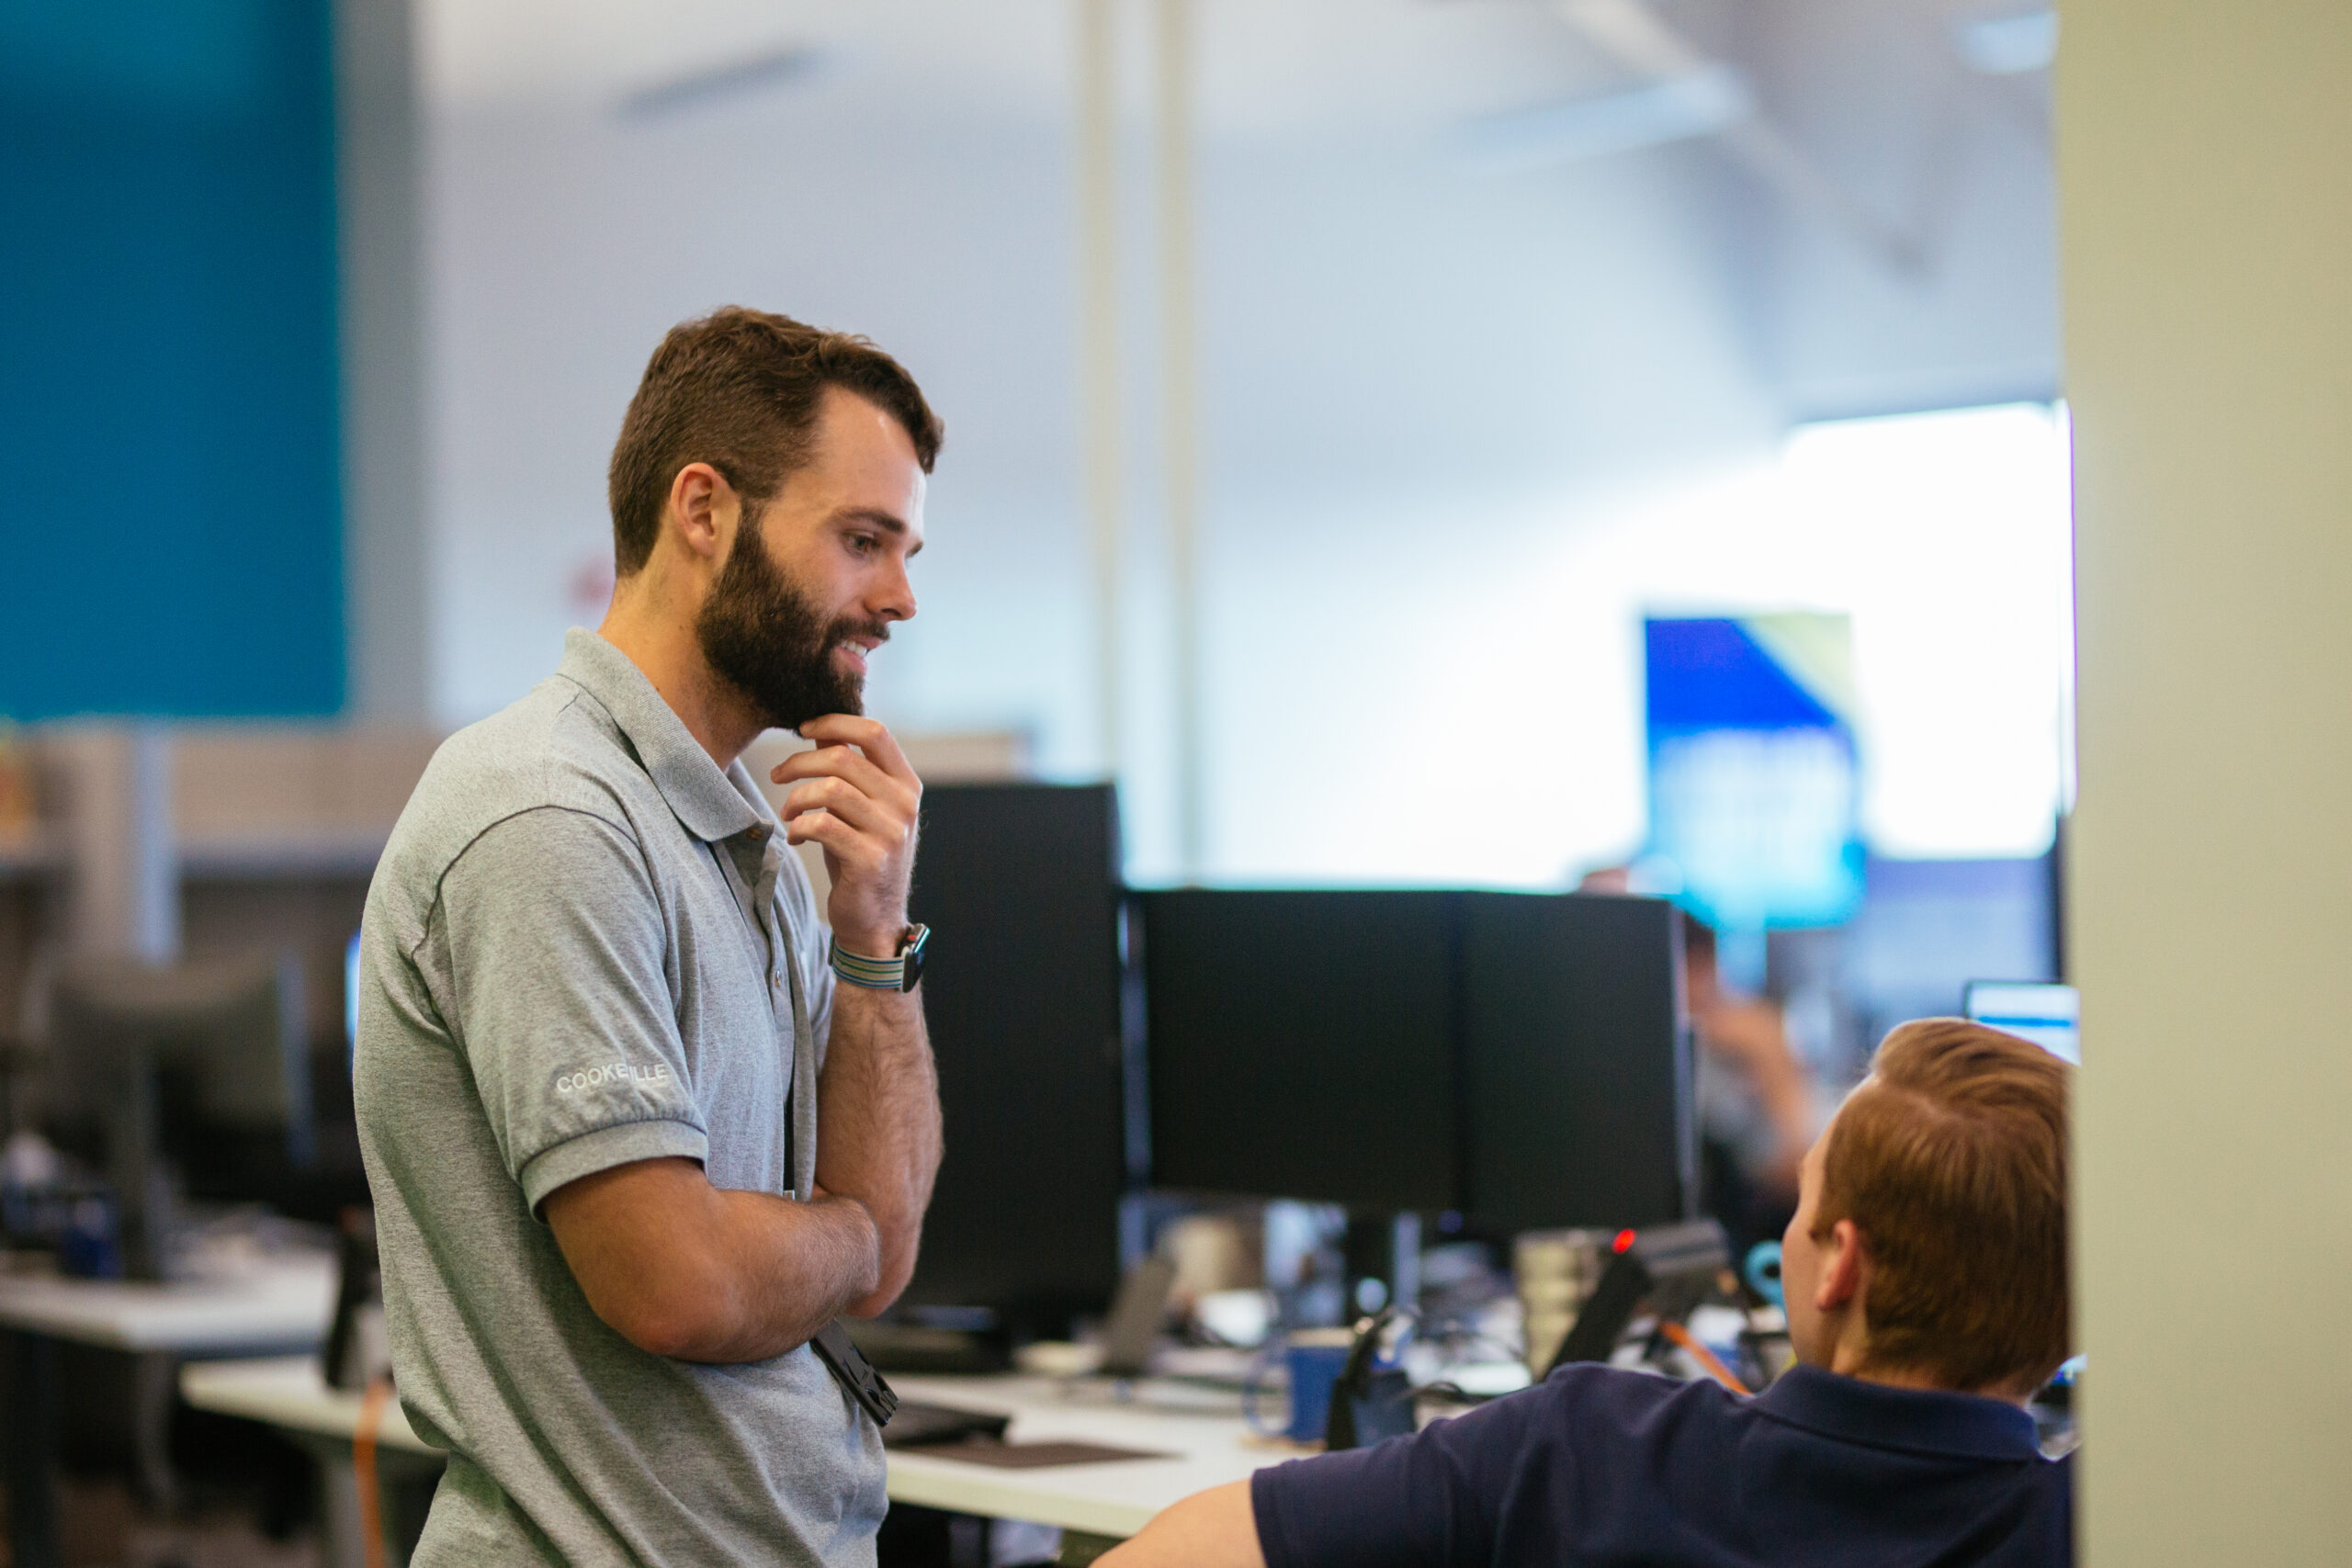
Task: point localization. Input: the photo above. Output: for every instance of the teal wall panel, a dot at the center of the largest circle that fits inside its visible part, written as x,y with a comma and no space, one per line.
171,534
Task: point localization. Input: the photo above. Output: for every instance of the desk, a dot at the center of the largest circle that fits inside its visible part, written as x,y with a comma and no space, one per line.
1209,1442
1203,1432
276,1303
290,1393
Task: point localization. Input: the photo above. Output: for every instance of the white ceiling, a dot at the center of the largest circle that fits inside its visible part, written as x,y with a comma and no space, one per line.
1348,67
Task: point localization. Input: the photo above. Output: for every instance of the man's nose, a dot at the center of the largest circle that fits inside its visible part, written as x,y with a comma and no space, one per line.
896,599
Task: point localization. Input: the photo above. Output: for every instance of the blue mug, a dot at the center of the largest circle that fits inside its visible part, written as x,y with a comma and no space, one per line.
90,1247
1313,1358
1763,1271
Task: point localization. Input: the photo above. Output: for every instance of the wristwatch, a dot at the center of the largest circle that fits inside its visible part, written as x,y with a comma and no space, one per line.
903,973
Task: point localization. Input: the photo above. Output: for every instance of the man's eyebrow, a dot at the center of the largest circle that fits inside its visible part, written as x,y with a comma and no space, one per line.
889,521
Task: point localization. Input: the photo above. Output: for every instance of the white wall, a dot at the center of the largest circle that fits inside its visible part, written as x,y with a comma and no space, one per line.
1414,381
1432,401
1427,389
2209,232
567,243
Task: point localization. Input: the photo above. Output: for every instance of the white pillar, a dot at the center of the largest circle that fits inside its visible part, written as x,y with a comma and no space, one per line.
379,197
1100,403
2206,210
1180,454
123,895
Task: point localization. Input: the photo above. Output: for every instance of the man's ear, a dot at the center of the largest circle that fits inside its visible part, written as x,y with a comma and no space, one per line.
704,508
1842,1267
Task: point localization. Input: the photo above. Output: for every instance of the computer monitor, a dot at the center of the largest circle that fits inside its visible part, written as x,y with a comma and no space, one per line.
1022,992
350,1000
1522,1058
1302,1044
1575,1062
2044,1012
194,1076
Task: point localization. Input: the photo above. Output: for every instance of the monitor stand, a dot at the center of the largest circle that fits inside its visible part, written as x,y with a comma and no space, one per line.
146,1196
1137,1314
1382,1255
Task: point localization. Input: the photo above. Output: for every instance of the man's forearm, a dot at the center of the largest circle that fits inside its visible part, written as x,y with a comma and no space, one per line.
1216,1528
878,1123
804,1265
681,1269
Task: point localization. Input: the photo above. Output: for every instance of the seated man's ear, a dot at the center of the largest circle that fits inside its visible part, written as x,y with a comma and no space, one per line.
1843,1266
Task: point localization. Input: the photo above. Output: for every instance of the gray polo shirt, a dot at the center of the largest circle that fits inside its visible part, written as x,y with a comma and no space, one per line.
587,945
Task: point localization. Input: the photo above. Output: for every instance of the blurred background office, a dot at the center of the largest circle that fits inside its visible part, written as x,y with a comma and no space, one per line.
1416,445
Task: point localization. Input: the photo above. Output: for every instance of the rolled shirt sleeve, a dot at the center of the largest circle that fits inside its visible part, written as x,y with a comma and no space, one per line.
557,962
1426,1501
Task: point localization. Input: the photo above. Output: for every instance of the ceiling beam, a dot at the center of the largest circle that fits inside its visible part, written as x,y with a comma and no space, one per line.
1634,36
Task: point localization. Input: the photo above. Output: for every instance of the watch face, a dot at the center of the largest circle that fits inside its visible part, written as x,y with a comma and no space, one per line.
911,958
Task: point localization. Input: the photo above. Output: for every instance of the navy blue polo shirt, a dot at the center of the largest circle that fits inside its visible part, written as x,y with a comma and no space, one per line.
1598,1465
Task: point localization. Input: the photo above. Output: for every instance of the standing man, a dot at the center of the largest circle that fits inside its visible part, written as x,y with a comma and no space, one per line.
631,1145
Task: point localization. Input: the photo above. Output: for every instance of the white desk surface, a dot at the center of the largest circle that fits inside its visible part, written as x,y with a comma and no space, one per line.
290,1391
1209,1444
1203,1432
273,1301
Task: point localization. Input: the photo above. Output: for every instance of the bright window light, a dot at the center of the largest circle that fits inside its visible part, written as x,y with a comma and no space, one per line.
1957,528
1942,540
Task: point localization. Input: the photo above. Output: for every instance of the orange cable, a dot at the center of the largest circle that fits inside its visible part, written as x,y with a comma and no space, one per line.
363,1470
1708,1361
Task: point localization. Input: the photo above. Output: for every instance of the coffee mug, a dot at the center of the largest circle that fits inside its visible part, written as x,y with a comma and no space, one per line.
1313,1359
1763,1271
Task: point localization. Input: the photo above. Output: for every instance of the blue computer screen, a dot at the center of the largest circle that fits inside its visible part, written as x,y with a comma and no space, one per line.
2042,1011
351,994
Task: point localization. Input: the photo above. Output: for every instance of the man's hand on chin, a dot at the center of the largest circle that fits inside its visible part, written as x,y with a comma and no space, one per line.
877,1091
856,795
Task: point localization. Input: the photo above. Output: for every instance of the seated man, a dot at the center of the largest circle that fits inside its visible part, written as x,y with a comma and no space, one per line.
1925,1276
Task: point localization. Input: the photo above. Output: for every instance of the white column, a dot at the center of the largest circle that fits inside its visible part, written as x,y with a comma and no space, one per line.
2206,209
1180,435
379,196
1100,432
123,895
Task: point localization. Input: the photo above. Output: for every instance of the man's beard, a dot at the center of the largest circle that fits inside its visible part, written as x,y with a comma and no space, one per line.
762,636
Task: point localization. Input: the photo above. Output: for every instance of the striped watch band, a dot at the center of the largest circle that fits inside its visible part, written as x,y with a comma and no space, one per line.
878,974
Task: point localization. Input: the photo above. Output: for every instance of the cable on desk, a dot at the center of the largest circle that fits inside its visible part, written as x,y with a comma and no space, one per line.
1708,1361
363,1469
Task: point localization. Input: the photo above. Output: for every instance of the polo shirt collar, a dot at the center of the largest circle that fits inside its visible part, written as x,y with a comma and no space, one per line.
713,804
1919,1420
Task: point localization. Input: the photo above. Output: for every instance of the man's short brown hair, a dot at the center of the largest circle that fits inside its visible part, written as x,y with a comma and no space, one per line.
1951,1159
740,389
